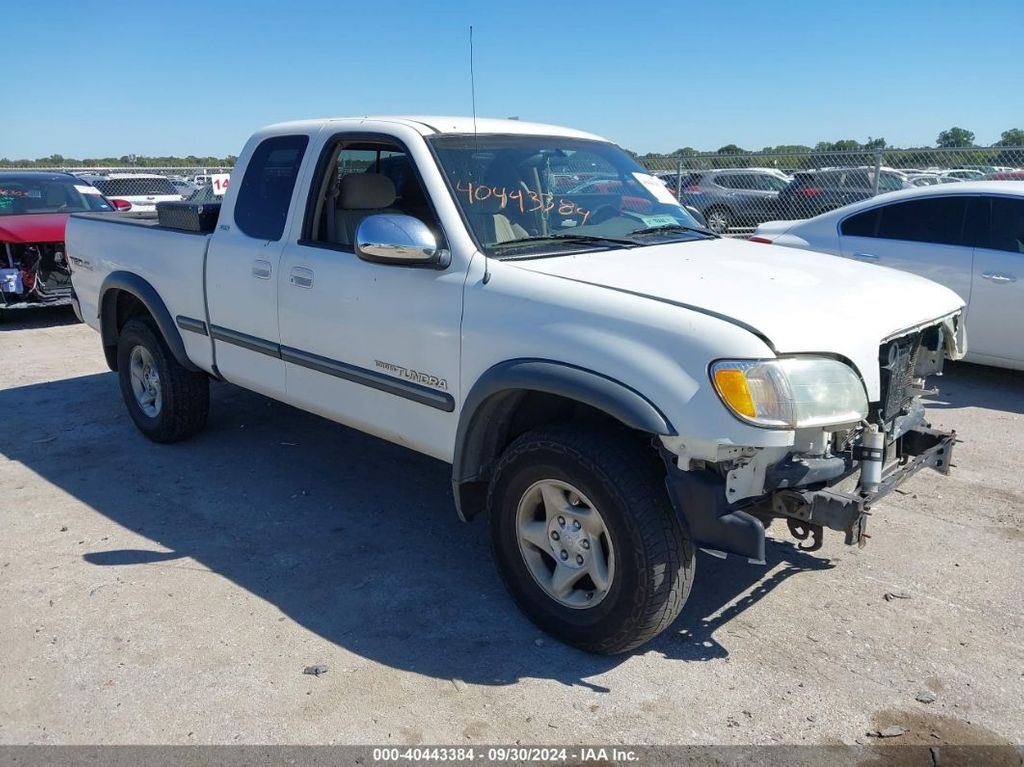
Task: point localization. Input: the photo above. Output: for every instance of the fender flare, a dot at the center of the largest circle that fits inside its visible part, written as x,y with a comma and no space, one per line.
475,442
138,287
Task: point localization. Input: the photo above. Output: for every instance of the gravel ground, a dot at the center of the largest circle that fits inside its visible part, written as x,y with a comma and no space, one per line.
174,594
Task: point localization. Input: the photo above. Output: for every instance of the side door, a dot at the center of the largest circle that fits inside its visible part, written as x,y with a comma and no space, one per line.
997,299
759,198
373,346
242,267
923,236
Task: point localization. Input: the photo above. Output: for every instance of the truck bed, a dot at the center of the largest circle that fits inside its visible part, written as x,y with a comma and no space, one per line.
191,217
102,246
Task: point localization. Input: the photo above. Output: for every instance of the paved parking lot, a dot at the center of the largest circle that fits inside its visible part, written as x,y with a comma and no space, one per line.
174,594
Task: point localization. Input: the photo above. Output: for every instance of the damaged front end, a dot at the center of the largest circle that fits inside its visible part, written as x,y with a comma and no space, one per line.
34,274
831,476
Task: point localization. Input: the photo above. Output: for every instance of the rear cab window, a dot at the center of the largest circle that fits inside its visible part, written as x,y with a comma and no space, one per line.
261,208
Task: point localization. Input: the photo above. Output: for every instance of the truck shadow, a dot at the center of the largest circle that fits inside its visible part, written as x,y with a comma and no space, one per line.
353,538
37,317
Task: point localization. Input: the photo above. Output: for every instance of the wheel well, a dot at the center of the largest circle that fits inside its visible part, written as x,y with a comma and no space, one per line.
119,306
506,415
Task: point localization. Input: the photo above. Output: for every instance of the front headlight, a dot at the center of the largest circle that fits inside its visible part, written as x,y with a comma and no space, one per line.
792,392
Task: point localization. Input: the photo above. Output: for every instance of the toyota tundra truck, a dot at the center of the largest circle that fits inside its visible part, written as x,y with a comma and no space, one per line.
613,385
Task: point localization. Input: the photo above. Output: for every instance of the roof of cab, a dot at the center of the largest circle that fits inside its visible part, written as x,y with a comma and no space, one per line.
431,125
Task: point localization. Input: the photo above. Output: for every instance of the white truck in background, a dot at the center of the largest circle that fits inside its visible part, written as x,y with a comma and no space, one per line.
613,383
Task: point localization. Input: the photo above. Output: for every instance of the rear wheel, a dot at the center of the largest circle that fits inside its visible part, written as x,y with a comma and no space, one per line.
167,402
585,539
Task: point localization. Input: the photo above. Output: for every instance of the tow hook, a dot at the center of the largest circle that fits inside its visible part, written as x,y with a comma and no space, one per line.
802,531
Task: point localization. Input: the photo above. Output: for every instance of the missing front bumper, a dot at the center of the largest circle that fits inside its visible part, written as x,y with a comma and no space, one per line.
920,448
713,523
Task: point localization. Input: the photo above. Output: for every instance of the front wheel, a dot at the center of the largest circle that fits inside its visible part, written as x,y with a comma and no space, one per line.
585,538
167,402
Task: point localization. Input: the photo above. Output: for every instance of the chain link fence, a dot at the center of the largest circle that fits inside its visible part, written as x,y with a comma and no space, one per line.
736,192
733,192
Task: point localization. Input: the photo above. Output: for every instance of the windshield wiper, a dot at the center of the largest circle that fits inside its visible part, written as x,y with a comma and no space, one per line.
583,239
674,228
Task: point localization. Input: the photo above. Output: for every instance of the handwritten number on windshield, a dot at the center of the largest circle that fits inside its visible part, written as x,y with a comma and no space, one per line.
527,201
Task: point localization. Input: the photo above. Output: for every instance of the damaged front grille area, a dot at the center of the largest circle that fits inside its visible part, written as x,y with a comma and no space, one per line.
34,273
898,361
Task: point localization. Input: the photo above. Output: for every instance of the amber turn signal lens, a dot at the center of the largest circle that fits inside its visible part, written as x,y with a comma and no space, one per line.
732,387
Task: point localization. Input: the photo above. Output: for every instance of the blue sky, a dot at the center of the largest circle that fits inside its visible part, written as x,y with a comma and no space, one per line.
95,78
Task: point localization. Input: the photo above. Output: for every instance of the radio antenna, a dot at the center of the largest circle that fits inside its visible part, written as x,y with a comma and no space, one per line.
472,79
472,88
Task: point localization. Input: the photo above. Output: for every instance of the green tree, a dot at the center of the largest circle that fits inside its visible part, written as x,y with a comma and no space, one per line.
843,145
1012,137
787,149
1013,155
955,137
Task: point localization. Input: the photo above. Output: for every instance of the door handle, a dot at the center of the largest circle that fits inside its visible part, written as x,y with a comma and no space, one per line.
261,270
870,256
1001,279
301,277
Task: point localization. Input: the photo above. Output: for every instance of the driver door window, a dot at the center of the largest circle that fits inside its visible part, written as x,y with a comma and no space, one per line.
365,180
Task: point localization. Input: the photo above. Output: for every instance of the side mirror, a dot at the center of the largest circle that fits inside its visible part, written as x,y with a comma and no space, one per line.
389,238
121,204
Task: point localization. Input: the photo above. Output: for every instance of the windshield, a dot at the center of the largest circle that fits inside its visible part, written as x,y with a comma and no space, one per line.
135,187
526,195
48,194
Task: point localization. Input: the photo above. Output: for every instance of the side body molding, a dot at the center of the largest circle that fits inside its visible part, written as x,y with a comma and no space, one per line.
148,297
487,413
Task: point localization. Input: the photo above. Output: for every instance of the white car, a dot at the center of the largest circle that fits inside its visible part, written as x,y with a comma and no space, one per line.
142,190
968,236
961,174
614,384
923,179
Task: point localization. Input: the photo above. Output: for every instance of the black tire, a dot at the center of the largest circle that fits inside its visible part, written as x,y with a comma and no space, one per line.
654,559
185,394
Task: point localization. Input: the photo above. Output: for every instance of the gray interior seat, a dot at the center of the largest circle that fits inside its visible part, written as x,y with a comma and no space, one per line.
360,195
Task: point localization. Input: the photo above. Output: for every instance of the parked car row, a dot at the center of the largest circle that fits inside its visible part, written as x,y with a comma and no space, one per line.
34,208
738,198
141,190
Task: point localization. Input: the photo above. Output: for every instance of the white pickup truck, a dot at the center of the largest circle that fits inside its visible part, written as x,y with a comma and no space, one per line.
612,383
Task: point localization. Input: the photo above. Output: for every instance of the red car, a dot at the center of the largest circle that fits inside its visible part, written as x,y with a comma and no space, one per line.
1006,175
34,208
